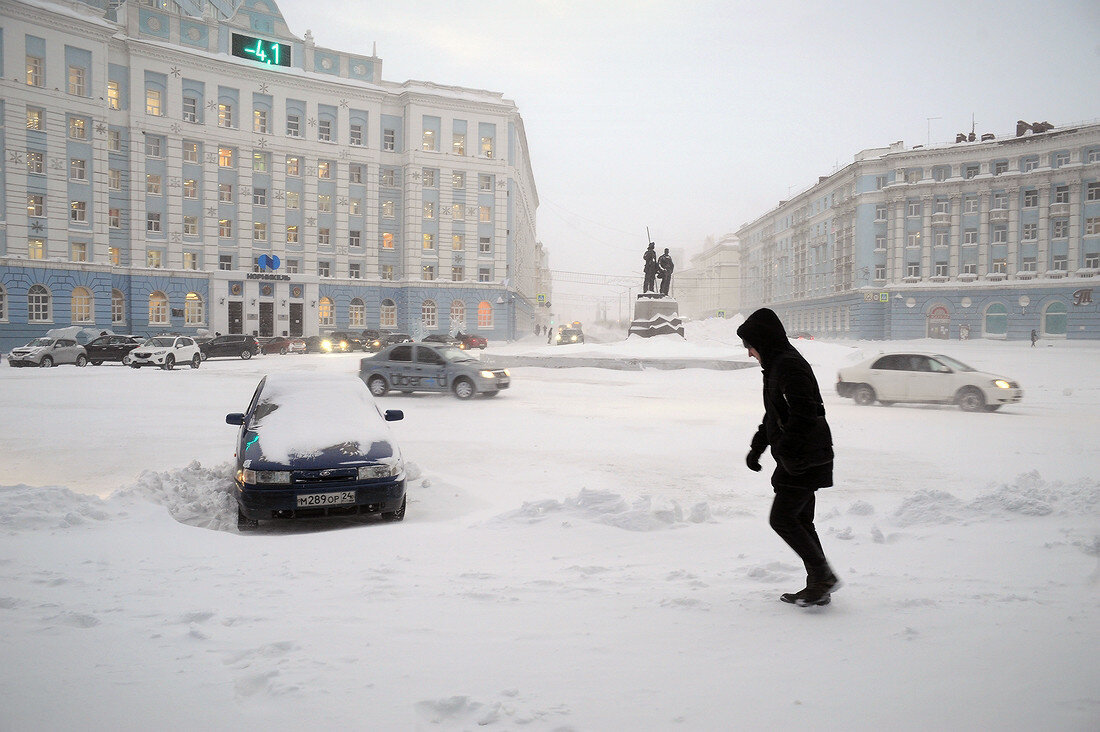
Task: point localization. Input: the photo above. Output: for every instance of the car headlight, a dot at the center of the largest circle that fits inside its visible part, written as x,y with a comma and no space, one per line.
487,374
1001,384
370,472
326,345
574,339
264,477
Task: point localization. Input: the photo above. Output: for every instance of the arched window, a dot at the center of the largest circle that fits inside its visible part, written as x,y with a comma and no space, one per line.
158,308
357,314
388,317
484,314
1054,319
80,306
458,315
325,311
38,305
995,323
428,314
118,307
193,313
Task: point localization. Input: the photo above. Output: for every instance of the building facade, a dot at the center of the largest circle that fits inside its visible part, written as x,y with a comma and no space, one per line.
989,238
711,286
194,166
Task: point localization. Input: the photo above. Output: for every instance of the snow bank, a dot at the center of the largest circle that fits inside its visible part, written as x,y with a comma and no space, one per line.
193,495
30,508
644,513
1028,495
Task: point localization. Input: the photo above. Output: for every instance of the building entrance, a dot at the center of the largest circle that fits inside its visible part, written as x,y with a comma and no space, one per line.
939,323
267,319
236,316
295,319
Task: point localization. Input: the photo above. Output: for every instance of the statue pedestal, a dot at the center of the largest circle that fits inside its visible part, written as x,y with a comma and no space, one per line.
656,315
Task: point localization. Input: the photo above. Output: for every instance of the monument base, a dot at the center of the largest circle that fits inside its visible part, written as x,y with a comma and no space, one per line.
655,316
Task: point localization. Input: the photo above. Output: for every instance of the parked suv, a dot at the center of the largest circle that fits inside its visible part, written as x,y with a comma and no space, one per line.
165,351
47,352
230,346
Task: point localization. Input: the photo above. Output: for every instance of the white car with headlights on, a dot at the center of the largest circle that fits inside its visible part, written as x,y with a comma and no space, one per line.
925,378
165,351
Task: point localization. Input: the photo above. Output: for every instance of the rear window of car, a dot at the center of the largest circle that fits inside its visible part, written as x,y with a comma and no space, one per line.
890,363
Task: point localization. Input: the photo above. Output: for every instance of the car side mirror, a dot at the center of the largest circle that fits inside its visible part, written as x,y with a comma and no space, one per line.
235,418
392,415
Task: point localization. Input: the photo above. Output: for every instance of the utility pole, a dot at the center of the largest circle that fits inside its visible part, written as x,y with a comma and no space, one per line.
929,120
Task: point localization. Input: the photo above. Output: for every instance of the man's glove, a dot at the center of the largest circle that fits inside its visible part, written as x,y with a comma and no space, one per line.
753,461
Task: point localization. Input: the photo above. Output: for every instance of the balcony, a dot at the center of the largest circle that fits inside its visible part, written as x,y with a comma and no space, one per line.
941,219
1059,209
998,215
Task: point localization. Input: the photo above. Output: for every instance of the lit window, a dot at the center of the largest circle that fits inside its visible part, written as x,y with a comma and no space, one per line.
259,231
323,236
190,152
458,273
78,169
225,157
225,228
324,169
114,140
78,212
225,115
113,96
458,242
458,212
427,272
292,165
154,259
292,199
485,214
429,241
487,147
324,203
36,204
153,102
76,81
484,314
458,143
193,309
190,188
259,121
78,128
36,249
152,184
387,240
36,119
114,255
35,162
429,209
292,234
429,141
114,218
36,67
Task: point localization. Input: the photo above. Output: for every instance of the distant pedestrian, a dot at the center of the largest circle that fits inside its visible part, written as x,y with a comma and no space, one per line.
1034,337
794,426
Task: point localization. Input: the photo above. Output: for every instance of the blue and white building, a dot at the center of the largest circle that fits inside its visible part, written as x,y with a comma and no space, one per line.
193,165
989,237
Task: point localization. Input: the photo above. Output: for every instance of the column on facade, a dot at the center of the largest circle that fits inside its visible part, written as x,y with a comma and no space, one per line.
1013,233
340,222
15,177
276,205
500,228
896,219
955,238
173,190
209,195
98,248
57,185
446,228
243,200
307,235
1042,256
985,231
926,238
1073,253
372,238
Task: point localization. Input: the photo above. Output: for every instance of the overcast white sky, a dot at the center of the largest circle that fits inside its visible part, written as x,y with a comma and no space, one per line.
694,118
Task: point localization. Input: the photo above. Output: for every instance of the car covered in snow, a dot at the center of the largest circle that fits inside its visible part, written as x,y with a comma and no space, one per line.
47,351
925,378
165,351
316,445
409,367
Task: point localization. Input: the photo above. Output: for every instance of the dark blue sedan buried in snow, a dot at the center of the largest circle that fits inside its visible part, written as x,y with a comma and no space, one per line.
314,446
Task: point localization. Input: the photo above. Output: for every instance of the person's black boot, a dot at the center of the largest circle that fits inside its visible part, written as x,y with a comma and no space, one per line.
819,586
795,598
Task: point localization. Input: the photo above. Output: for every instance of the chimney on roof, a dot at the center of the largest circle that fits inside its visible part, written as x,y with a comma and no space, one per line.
961,137
1022,128
1041,126
987,136
971,137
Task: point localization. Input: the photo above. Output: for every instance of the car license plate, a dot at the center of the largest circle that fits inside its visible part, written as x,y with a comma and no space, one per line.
326,499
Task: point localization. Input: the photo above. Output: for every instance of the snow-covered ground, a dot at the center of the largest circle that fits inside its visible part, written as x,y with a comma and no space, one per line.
587,551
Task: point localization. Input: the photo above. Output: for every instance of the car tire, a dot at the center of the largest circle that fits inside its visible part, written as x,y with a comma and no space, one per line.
135,366
282,351
464,388
992,407
195,361
863,395
246,354
399,514
244,523
203,355
378,386
96,362
169,362
45,363
970,400
81,361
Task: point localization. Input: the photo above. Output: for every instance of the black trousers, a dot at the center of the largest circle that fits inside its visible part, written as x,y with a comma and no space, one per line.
792,517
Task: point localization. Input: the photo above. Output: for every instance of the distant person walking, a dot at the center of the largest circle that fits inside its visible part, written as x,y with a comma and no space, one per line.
1034,337
794,426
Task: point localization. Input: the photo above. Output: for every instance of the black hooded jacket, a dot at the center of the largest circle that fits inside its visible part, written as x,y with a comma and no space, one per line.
794,415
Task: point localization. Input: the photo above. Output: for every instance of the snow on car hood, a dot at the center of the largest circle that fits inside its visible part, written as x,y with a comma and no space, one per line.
316,412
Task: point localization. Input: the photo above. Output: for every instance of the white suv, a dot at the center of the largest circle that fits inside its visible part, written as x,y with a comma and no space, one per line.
165,351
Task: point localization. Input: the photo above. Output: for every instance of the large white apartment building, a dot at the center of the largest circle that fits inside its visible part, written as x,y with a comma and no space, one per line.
194,165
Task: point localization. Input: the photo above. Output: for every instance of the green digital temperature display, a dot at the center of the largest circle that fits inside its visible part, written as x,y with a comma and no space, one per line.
257,49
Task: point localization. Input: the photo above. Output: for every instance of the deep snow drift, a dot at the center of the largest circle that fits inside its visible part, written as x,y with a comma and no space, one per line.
586,551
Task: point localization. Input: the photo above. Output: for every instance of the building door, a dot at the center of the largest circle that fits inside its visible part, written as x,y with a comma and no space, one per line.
295,319
939,323
267,319
236,316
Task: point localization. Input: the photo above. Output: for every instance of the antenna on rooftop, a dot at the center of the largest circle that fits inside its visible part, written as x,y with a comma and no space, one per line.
929,121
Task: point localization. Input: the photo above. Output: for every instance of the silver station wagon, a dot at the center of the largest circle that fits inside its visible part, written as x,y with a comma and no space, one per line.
409,367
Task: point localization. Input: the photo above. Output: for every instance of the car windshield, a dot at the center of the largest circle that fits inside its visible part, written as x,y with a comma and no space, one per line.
159,342
455,355
41,342
952,363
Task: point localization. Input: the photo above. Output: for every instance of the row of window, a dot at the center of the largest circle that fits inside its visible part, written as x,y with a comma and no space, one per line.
82,310
1029,232
967,171
998,201
997,266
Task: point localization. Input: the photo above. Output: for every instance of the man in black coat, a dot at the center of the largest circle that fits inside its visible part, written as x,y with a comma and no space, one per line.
649,284
664,271
794,426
